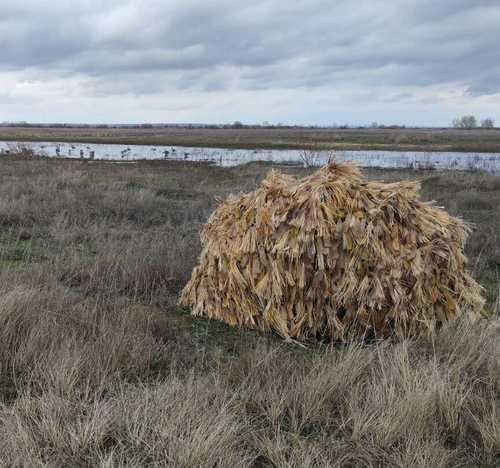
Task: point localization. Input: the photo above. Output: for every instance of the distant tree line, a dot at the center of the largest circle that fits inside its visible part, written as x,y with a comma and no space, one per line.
234,125
464,122
470,121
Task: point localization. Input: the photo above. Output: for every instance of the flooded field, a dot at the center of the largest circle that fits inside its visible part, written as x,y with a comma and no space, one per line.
489,162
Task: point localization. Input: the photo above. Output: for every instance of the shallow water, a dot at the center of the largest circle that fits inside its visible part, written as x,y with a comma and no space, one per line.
489,162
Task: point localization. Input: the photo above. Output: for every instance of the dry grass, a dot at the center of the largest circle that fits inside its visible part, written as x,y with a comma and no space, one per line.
406,139
99,368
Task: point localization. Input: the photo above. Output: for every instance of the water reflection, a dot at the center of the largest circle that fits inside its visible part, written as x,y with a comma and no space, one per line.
231,157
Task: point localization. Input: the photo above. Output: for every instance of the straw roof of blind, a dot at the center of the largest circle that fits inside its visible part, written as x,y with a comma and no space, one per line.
332,255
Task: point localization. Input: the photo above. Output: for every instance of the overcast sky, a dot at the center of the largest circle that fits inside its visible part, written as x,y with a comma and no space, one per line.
414,62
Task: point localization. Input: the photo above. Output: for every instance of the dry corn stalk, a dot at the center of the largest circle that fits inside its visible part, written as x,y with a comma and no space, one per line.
334,256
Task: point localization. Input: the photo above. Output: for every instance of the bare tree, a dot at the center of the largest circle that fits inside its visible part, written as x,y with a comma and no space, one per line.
488,123
466,121
310,157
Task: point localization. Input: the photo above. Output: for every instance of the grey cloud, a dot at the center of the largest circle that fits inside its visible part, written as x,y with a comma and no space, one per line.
214,45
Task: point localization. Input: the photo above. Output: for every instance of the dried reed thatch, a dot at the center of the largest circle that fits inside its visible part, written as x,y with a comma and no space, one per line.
335,256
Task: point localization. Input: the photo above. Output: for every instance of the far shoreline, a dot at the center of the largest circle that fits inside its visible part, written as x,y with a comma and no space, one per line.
386,139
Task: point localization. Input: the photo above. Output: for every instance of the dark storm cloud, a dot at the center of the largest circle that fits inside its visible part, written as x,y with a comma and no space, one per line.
146,46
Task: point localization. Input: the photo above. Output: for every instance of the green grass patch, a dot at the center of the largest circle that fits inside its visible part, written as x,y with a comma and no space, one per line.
135,184
15,253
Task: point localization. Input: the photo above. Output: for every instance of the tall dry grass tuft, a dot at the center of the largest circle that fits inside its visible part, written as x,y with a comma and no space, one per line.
91,393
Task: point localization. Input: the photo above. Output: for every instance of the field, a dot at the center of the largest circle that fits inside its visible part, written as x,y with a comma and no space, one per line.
99,367
404,139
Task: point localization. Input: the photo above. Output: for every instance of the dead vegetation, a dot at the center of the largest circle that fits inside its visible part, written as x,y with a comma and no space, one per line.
402,139
98,367
330,255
